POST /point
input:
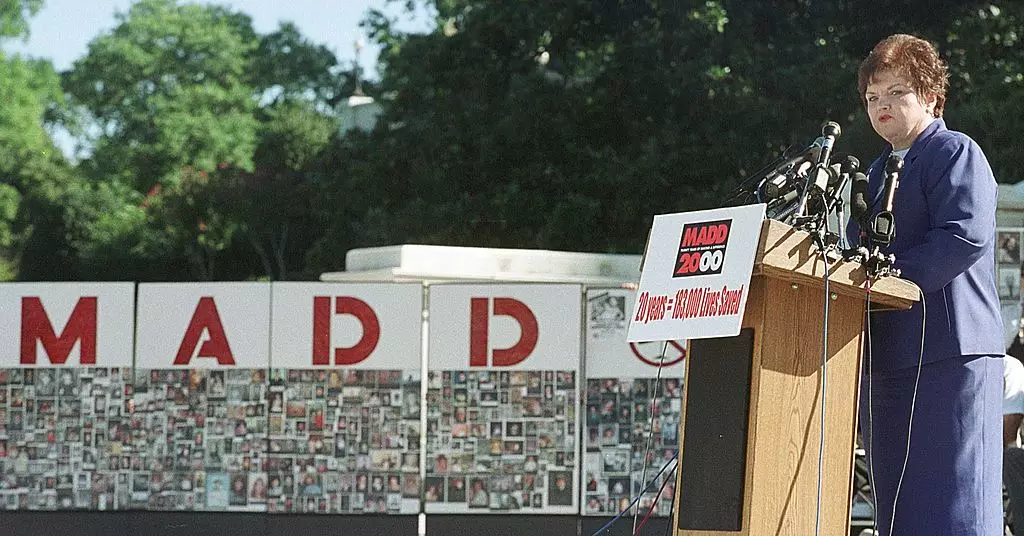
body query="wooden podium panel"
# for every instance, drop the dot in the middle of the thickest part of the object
(754, 471)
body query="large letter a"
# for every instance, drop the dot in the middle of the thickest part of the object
(205, 318)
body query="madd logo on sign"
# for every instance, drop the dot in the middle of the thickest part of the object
(702, 248)
(671, 305)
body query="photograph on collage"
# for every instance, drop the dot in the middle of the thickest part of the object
(501, 441)
(632, 405)
(1008, 265)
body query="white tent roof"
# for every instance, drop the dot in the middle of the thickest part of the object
(413, 262)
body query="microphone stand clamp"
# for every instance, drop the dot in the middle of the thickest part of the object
(876, 263)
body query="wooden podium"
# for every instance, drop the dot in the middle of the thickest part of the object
(751, 419)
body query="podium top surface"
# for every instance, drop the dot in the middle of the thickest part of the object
(790, 254)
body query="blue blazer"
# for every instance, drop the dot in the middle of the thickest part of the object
(945, 213)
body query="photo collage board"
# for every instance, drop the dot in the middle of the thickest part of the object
(345, 437)
(202, 356)
(1009, 264)
(200, 439)
(269, 407)
(501, 427)
(344, 441)
(65, 438)
(621, 423)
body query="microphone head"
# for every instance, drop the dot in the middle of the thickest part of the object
(859, 184)
(894, 164)
(858, 195)
(814, 151)
(845, 164)
(831, 130)
(850, 164)
(835, 174)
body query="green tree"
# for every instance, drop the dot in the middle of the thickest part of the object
(167, 88)
(14, 15)
(274, 205)
(32, 170)
(300, 84)
(568, 124)
(289, 67)
(986, 98)
(559, 126)
(212, 126)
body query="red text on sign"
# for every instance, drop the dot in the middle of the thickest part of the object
(205, 318)
(80, 328)
(705, 235)
(343, 305)
(479, 332)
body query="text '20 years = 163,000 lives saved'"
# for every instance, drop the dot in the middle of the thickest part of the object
(689, 303)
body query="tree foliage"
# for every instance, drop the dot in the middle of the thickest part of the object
(167, 88)
(31, 169)
(568, 124)
(14, 15)
(213, 150)
(186, 99)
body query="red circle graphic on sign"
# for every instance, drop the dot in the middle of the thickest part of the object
(653, 361)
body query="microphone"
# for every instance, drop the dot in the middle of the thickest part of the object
(842, 168)
(829, 132)
(858, 199)
(779, 181)
(809, 154)
(832, 181)
(883, 229)
(848, 164)
(893, 166)
(817, 180)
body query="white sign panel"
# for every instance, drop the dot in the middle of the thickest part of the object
(610, 355)
(507, 327)
(369, 326)
(203, 325)
(696, 274)
(502, 399)
(66, 324)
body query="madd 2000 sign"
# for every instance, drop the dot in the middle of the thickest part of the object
(696, 274)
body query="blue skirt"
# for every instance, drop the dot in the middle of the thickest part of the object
(953, 480)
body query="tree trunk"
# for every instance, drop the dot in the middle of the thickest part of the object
(262, 253)
(279, 249)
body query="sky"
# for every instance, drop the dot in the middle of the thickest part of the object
(62, 29)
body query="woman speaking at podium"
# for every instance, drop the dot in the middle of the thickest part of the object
(930, 409)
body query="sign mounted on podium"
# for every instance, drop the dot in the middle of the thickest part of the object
(696, 274)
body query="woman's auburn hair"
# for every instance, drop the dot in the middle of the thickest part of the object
(913, 58)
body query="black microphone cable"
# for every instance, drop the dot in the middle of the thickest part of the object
(910, 424)
(824, 381)
(650, 434)
(637, 498)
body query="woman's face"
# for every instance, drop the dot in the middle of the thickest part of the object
(897, 113)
